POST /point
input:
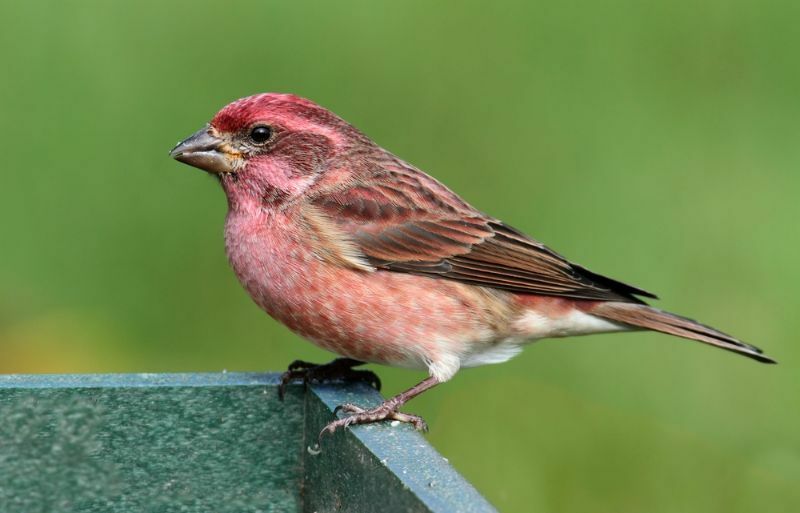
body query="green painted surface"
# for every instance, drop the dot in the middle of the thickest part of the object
(210, 448)
(208, 443)
(394, 467)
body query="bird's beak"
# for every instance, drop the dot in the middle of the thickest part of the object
(206, 151)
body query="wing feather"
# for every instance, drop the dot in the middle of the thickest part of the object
(402, 220)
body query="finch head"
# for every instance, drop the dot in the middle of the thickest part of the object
(268, 147)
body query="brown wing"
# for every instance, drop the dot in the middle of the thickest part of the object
(405, 221)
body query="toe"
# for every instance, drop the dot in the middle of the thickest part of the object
(301, 365)
(348, 408)
(415, 420)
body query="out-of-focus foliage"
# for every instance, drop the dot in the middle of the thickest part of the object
(656, 142)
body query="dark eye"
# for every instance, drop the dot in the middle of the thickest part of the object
(260, 134)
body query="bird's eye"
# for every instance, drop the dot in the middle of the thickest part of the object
(260, 134)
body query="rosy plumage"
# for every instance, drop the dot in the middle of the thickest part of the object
(372, 259)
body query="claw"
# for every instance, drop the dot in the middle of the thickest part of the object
(348, 408)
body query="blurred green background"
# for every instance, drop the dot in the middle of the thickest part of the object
(656, 142)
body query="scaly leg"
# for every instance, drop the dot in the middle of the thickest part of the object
(338, 369)
(388, 410)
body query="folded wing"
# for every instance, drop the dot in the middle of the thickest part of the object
(405, 221)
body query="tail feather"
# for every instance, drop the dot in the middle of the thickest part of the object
(642, 316)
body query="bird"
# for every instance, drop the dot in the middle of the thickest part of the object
(372, 259)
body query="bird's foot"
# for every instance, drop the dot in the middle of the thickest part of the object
(386, 411)
(339, 369)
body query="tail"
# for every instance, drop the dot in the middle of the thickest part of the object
(643, 316)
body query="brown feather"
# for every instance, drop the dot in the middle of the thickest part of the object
(403, 220)
(330, 243)
(642, 316)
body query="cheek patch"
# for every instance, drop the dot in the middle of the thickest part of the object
(303, 152)
(277, 174)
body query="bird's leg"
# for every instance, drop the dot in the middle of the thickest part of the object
(340, 368)
(388, 410)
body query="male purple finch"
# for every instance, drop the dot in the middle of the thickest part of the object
(372, 259)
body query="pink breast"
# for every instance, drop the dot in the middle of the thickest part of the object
(381, 317)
